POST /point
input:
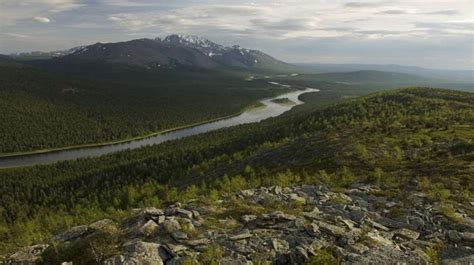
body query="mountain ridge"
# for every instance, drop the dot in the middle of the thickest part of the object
(173, 51)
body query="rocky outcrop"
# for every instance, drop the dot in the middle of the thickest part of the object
(286, 226)
(28, 255)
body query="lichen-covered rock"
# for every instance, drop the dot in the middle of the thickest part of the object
(28, 255)
(387, 255)
(241, 236)
(149, 212)
(179, 235)
(171, 225)
(149, 228)
(468, 260)
(354, 226)
(406, 233)
(468, 236)
(103, 225)
(139, 253)
(184, 213)
(331, 229)
(72, 233)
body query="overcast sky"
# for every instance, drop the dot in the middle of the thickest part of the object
(430, 33)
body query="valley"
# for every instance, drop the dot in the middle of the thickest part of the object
(179, 150)
(269, 108)
(57, 111)
(398, 140)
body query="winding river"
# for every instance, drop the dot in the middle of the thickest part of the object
(271, 109)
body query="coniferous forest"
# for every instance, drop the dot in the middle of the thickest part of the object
(45, 110)
(395, 139)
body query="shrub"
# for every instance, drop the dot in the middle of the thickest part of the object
(450, 213)
(433, 254)
(438, 193)
(212, 255)
(344, 178)
(323, 257)
(376, 176)
(361, 151)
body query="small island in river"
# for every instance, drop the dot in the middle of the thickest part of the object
(283, 101)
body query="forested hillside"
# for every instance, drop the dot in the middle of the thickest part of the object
(48, 110)
(403, 140)
(376, 80)
(92, 102)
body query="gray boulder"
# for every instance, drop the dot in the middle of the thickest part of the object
(73, 233)
(101, 225)
(406, 234)
(28, 255)
(387, 256)
(171, 225)
(138, 253)
(149, 228)
(331, 229)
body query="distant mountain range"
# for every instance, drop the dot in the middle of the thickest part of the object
(43, 55)
(452, 75)
(175, 52)
(171, 52)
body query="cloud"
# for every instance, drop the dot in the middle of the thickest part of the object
(285, 24)
(130, 3)
(16, 35)
(197, 17)
(449, 25)
(363, 4)
(19, 11)
(115, 18)
(381, 32)
(42, 19)
(394, 12)
(416, 12)
(341, 29)
(443, 13)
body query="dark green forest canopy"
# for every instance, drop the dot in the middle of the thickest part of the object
(48, 110)
(412, 138)
(81, 103)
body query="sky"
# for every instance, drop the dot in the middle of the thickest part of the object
(428, 33)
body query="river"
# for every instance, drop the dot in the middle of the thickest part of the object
(271, 109)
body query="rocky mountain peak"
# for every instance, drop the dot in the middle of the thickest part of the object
(200, 43)
(183, 39)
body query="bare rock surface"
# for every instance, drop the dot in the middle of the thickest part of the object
(279, 225)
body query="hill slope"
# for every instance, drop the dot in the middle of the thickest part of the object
(7, 61)
(375, 80)
(466, 76)
(405, 141)
(50, 110)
